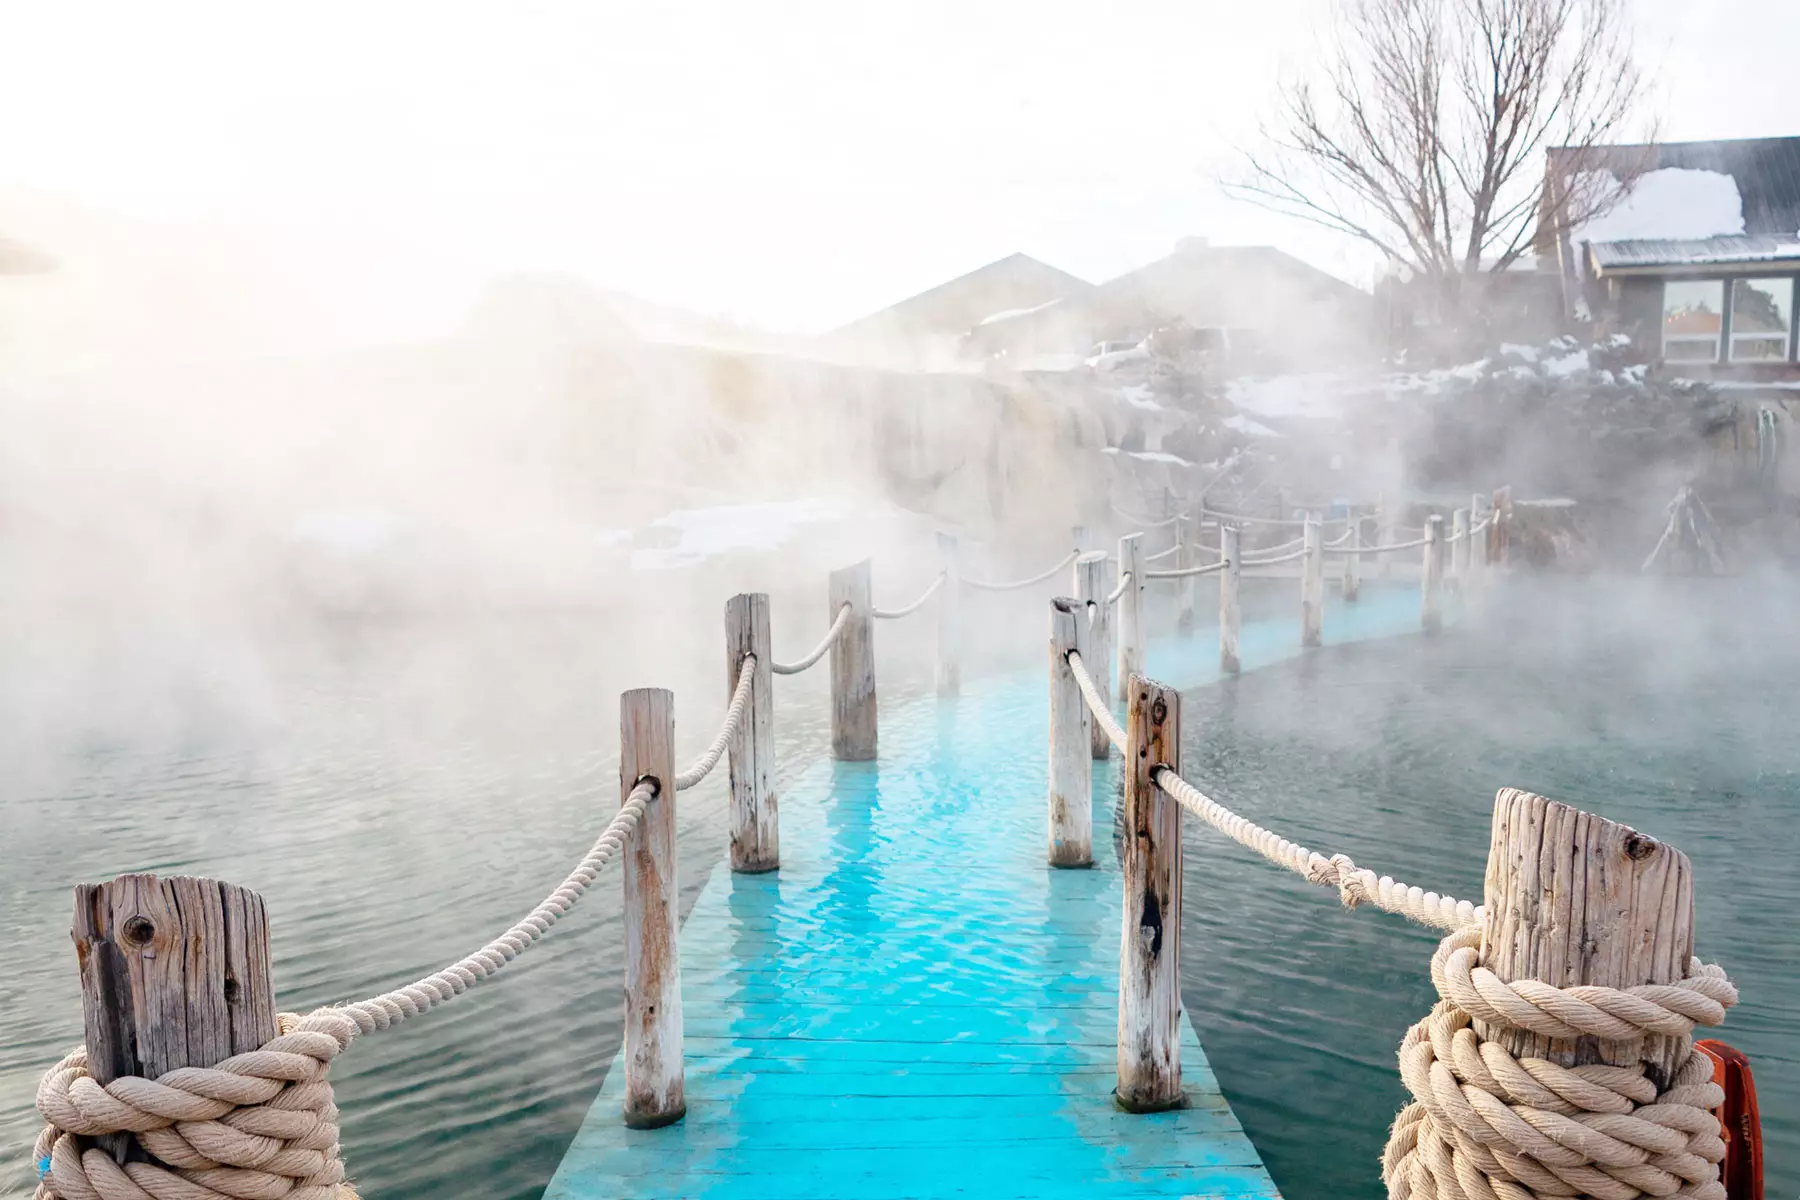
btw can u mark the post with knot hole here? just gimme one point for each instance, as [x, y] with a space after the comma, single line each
[655, 1092]
[1312, 584]
[174, 973]
[1229, 613]
[1090, 590]
[949, 617]
[1560, 1057]
[853, 731]
[1130, 627]
[1071, 831]
[755, 813]
[1431, 578]
[1149, 1050]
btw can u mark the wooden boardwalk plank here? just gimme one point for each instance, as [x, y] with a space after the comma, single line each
[917, 1005]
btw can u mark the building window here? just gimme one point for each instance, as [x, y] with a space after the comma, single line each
[1760, 312]
[1693, 318]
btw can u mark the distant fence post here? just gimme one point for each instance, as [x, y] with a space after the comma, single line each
[1090, 589]
[1071, 831]
[853, 731]
[1131, 607]
[1459, 549]
[1500, 532]
[174, 973]
[655, 1092]
[1384, 535]
[755, 821]
[1149, 1038]
[1573, 899]
[1431, 613]
[1186, 555]
[1477, 541]
[1312, 583]
[1353, 560]
[1229, 613]
[949, 617]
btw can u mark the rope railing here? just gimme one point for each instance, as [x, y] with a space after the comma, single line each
[818, 652]
[1387, 548]
[1162, 554]
[1343, 537]
[894, 614]
[1022, 583]
[1187, 572]
[1278, 547]
[1096, 705]
[1355, 885]
[734, 716]
[1112, 597]
[1290, 556]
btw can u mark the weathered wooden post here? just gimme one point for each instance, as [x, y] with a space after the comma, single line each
[1477, 540]
[1071, 832]
[1431, 614]
[1573, 899]
[755, 820]
[1130, 625]
[1229, 613]
[1384, 534]
[1312, 584]
[654, 1084]
[1353, 560]
[1186, 555]
[174, 973]
[949, 617]
[1149, 1040]
[1459, 548]
[853, 732]
[1500, 531]
[1090, 589]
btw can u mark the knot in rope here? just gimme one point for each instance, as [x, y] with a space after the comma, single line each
[1486, 1125]
[257, 1126]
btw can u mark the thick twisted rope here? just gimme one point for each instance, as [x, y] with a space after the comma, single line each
[1343, 537]
[1112, 597]
[1162, 554]
[734, 716]
[893, 614]
[262, 1125]
[1185, 572]
[1355, 885]
[1096, 705]
[1484, 1125]
[1020, 583]
[818, 651]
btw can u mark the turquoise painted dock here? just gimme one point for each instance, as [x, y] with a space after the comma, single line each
[916, 1005]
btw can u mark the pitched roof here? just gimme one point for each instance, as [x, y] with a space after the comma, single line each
[1016, 281]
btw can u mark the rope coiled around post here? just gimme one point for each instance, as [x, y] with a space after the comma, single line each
[263, 1125]
[1355, 885]
[891, 614]
[985, 585]
[1486, 1125]
[734, 716]
[818, 651]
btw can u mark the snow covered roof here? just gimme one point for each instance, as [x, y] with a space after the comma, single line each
[1620, 256]
[1764, 171]
[1670, 202]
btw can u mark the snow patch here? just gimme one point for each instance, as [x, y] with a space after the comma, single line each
[1568, 364]
[1008, 314]
[1111, 360]
[1672, 203]
[1139, 396]
[1151, 456]
[1245, 425]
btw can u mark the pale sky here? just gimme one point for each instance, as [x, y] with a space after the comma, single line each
[793, 165]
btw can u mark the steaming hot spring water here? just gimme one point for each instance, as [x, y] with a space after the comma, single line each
[389, 834]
